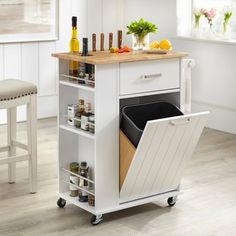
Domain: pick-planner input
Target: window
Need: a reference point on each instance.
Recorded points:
(28, 20)
(207, 19)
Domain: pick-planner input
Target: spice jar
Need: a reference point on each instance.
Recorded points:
(71, 111)
(90, 69)
(91, 124)
(91, 198)
(85, 117)
(86, 79)
(74, 167)
(82, 70)
(83, 171)
(78, 114)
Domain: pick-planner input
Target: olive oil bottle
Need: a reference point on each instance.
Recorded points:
(74, 47)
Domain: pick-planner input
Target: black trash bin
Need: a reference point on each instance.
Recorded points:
(134, 118)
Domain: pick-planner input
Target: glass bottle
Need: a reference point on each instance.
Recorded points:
(74, 47)
(83, 171)
(82, 65)
(74, 167)
(85, 117)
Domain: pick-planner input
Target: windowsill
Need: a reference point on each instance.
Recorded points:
(216, 40)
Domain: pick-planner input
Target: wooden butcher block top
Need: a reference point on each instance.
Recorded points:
(105, 57)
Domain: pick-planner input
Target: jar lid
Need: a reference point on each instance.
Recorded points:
(74, 166)
(83, 163)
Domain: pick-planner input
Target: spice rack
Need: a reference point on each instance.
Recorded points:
(68, 81)
(77, 145)
(121, 77)
(91, 189)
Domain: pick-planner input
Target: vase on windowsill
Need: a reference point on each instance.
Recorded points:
(226, 32)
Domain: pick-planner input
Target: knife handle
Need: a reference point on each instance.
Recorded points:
(119, 38)
(110, 40)
(94, 40)
(102, 42)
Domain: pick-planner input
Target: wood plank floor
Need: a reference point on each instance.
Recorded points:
(207, 207)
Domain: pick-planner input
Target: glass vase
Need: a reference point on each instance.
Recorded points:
(140, 42)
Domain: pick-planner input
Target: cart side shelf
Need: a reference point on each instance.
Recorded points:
(74, 200)
(77, 131)
(66, 82)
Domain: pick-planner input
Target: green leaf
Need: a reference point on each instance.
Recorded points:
(141, 28)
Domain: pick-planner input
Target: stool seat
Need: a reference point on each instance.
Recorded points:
(13, 89)
(14, 93)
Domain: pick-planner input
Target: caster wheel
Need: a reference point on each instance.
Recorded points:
(95, 220)
(61, 202)
(171, 201)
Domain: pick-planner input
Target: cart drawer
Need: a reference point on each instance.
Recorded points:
(142, 77)
(162, 155)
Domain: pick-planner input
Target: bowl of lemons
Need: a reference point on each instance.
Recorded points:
(162, 47)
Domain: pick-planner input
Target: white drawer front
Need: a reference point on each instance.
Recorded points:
(143, 77)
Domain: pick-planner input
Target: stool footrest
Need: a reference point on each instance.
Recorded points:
(5, 149)
(17, 158)
(20, 145)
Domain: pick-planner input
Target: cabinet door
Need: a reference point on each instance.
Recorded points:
(162, 156)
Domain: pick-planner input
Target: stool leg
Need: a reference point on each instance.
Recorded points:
(11, 133)
(32, 141)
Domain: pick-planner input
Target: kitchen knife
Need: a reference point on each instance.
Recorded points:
(102, 42)
(110, 40)
(94, 41)
(119, 38)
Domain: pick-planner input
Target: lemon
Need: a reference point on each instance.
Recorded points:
(154, 45)
(165, 44)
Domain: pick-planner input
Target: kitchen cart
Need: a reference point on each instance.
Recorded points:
(166, 144)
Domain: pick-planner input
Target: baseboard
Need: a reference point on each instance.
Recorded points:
(222, 118)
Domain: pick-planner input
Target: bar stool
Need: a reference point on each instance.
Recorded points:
(14, 93)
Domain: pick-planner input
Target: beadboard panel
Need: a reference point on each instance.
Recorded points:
(1, 62)
(64, 25)
(95, 16)
(33, 62)
(79, 9)
(12, 61)
(110, 21)
(30, 62)
(47, 72)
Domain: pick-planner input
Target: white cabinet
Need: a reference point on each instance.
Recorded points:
(166, 144)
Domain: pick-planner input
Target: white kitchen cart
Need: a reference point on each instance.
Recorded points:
(165, 147)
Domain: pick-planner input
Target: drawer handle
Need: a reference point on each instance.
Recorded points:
(180, 123)
(153, 76)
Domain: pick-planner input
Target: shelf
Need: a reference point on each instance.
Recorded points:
(77, 131)
(75, 84)
(75, 201)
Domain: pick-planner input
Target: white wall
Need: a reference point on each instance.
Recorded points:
(213, 78)
(214, 82)
(33, 61)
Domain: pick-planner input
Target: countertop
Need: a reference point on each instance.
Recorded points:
(105, 57)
